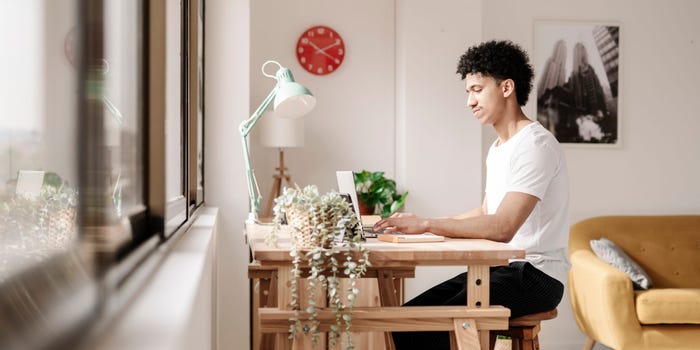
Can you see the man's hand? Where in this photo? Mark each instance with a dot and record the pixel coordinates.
(402, 222)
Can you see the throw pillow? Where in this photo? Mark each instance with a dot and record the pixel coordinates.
(609, 252)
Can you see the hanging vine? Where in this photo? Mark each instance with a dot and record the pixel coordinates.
(326, 235)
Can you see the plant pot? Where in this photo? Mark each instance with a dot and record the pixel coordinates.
(303, 235)
(364, 208)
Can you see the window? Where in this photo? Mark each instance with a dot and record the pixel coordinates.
(100, 155)
(175, 108)
(198, 36)
(38, 163)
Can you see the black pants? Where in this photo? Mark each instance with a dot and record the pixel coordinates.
(519, 286)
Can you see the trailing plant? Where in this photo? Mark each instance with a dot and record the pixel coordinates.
(42, 222)
(379, 192)
(326, 234)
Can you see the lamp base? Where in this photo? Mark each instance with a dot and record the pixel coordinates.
(277, 185)
(252, 219)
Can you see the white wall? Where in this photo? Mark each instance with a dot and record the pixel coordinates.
(227, 92)
(352, 126)
(438, 153)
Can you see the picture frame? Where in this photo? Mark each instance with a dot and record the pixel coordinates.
(577, 70)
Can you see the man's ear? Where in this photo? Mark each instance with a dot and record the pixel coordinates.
(508, 87)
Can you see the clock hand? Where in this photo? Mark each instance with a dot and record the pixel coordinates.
(322, 51)
(328, 47)
(314, 46)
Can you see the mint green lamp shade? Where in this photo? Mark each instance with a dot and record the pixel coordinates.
(291, 100)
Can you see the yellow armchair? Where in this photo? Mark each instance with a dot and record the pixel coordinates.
(604, 303)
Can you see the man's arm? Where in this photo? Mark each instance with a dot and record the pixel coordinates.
(500, 226)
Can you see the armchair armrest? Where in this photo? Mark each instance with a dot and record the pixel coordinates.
(602, 299)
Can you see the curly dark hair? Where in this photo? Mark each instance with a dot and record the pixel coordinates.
(500, 60)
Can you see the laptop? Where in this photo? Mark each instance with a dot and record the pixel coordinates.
(346, 185)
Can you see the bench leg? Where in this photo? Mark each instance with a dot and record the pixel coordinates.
(467, 337)
(588, 345)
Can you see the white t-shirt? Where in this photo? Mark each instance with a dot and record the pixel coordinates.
(533, 162)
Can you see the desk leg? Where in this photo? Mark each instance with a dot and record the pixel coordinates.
(389, 292)
(267, 297)
(388, 288)
(478, 282)
(284, 296)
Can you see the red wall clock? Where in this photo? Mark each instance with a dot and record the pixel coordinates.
(320, 50)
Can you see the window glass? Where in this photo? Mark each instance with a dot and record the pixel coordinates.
(200, 103)
(38, 151)
(173, 107)
(122, 100)
(174, 119)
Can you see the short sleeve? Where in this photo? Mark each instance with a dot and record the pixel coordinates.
(532, 170)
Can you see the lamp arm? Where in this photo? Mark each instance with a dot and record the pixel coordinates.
(245, 128)
(253, 193)
(248, 124)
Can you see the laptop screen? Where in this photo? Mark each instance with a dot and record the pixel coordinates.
(346, 184)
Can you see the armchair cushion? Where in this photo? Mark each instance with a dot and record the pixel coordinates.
(668, 305)
(609, 252)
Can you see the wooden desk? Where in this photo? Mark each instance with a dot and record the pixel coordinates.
(477, 254)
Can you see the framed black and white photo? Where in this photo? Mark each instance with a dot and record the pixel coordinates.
(577, 80)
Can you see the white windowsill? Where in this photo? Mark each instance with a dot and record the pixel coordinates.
(176, 307)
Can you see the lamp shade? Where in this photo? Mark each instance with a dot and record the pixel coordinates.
(292, 100)
(281, 132)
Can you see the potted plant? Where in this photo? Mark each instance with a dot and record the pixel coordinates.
(326, 235)
(43, 222)
(375, 192)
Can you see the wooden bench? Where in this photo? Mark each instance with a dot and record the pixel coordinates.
(524, 330)
(462, 322)
(265, 292)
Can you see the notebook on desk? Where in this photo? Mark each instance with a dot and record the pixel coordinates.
(406, 238)
(346, 185)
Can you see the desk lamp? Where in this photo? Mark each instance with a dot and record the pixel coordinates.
(292, 100)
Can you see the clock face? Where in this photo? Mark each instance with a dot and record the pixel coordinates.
(320, 50)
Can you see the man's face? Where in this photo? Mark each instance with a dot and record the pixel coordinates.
(485, 98)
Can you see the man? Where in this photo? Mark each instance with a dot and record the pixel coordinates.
(525, 202)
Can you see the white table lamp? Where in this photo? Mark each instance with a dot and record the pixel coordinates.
(280, 133)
